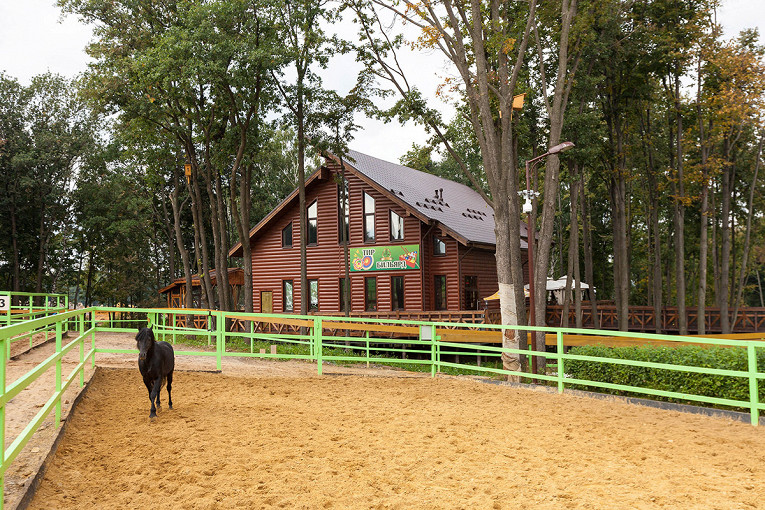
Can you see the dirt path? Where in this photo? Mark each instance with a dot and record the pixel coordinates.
(268, 434)
(364, 442)
(22, 409)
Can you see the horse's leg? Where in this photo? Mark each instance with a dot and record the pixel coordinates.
(159, 390)
(154, 395)
(153, 411)
(169, 389)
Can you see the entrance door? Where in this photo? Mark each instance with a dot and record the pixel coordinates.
(266, 301)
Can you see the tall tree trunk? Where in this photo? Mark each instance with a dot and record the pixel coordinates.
(305, 291)
(747, 236)
(91, 271)
(725, 234)
(240, 210)
(79, 275)
(220, 236)
(654, 232)
(679, 214)
(556, 110)
(589, 273)
(208, 296)
(184, 253)
(621, 257)
(15, 247)
(169, 232)
(210, 175)
(573, 247)
(715, 245)
(704, 230)
(43, 238)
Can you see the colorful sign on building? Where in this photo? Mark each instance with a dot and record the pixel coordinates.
(384, 258)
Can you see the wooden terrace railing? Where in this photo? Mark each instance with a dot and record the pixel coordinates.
(641, 319)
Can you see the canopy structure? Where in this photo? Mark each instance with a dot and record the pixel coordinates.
(556, 287)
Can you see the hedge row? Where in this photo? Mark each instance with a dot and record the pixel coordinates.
(726, 358)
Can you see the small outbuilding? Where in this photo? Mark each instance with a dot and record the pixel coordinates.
(176, 291)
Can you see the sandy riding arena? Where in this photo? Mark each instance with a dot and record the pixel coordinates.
(350, 441)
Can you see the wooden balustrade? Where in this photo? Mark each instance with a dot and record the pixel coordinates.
(640, 319)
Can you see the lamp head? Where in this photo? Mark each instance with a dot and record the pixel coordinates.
(560, 147)
(527, 206)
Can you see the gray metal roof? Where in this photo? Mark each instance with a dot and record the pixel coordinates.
(456, 206)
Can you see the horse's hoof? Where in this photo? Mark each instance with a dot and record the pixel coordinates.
(152, 415)
(171, 406)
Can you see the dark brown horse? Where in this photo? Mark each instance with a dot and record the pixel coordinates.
(156, 361)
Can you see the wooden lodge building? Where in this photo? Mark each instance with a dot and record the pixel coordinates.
(175, 293)
(417, 242)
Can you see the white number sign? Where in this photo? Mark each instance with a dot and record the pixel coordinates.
(5, 302)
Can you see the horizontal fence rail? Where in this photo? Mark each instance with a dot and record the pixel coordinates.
(432, 346)
(16, 307)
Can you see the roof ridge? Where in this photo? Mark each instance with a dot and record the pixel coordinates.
(413, 170)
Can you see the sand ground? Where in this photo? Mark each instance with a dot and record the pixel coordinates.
(275, 435)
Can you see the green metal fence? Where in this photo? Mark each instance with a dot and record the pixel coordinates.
(328, 339)
(16, 307)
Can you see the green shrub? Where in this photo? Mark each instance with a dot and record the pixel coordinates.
(726, 358)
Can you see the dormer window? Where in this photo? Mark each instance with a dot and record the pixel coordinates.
(439, 247)
(396, 227)
(369, 218)
(343, 213)
(287, 236)
(313, 223)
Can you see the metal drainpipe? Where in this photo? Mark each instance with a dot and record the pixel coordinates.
(459, 275)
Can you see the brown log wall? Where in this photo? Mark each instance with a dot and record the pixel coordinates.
(326, 261)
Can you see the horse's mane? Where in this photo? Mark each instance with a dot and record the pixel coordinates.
(145, 334)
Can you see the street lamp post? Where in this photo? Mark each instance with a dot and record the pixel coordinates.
(531, 232)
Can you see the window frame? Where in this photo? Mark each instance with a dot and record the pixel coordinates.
(471, 289)
(394, 294)
(288, 226)
(367, 301)
(315, 204)
(390, 221)
(311, 306)
(436, 241)
(291, 309)
(367, 216)
(343, 220)
(443, 303)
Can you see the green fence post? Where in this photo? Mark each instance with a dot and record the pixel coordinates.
(436, 340)
(92, 344)
(252, 337)
(3, 341)
(754, 396)
(220, 337)
(559, 339)
(367, 336)
(432, 350)
(58, 374)
(317, 330)
(209, 329)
